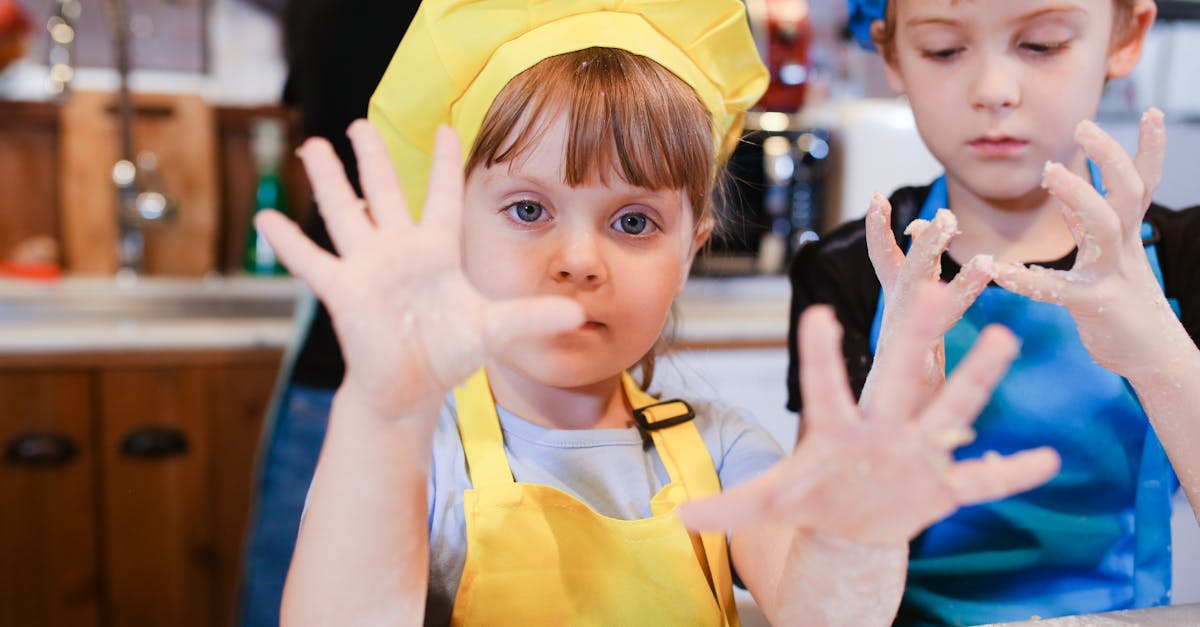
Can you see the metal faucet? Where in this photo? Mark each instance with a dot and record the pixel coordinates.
(141, 201)
(61, 26)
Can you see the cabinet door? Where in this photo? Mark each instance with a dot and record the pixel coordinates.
(180, 451)
(48, 539)
(158, 533)
(240, 396)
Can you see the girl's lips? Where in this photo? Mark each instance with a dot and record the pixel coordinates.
(590, 325)
(998, 146)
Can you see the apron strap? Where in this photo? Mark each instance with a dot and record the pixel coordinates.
(689, 463)
(479, 428)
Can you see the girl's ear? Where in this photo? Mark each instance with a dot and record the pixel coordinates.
(1125, 54)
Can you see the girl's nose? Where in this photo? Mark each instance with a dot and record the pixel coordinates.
(997, 83)
(580, 261)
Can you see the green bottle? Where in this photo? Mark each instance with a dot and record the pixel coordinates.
(267, 145)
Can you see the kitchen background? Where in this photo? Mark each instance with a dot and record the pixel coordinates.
(138, 355)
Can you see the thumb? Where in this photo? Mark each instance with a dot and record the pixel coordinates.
(1040, 284)
(727, 511)
(511, 321)
(965, 288)
(746, 505)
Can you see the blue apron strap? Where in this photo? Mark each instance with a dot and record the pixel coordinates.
(1097, 179)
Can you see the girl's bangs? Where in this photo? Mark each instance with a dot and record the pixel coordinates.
(624, 114)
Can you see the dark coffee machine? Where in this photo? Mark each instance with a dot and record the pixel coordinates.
(773, 202)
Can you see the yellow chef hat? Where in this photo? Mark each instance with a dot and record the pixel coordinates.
(458, 54)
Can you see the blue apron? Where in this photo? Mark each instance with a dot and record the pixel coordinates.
(1095, 538)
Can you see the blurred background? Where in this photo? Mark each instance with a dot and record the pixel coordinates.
(145, 329)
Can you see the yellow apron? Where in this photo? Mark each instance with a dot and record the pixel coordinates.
(538, 556)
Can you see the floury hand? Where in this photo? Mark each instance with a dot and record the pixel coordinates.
(881, 473)
(409, 322)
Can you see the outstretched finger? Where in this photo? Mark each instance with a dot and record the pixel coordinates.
(823, 382)
(303, 258)
(885, 254)
(746, 505)
(929, 243)
(1094, 217)
(895, 394)
(1152, 148)
(994, 476)
(344, 213)
(1041, 284)
(1124, 183)
(970, 386)
(966, 286)
(377, 176)
(443, 205)
(515, 321)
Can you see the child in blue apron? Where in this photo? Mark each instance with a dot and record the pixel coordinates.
(490, 459)
(1108, 375)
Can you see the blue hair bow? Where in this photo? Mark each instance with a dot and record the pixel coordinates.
(862, 14)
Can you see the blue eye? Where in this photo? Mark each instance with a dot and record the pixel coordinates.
(632, 223)
(526, 211)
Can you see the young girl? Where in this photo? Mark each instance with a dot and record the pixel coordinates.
(545, 487)
(1003, 94)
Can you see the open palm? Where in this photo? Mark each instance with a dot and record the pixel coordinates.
(1111, 291)
(883, 472)
(409, 322)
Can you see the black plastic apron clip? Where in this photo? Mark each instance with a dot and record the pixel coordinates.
(645, 426)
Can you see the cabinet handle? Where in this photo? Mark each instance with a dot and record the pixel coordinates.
(41, 449)
(154, 443)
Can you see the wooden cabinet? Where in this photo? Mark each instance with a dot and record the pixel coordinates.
(48, 543)
(126, 484)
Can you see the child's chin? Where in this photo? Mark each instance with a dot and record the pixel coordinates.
(562, 369)
(1005, 184)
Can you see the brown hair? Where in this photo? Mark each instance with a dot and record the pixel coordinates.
(884, 37)
(621, 108)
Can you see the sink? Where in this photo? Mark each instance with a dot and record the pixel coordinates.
(99, 300)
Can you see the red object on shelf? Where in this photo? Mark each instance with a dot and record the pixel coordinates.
(31, 271)
(15, 27)
(787, 33)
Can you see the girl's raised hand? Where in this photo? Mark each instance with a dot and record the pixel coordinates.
(901, 277)
(1111, 291)
(881, 474)
(410, 324)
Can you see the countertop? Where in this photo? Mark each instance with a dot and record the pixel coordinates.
(78, 314)
(745, 311)
(99, 315)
